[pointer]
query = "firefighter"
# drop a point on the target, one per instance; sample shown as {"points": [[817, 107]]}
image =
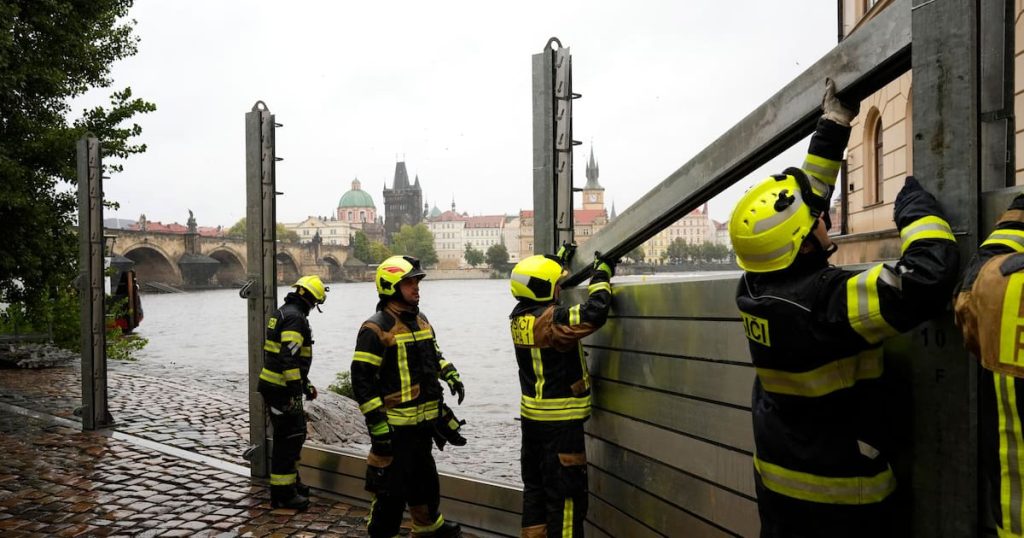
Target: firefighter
{"points": [[287, 356], [395, 376], [988, 312], [555, 387], [815, 333]]}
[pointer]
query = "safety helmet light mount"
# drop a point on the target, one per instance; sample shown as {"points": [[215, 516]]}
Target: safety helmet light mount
{"points": [[312, 285], [394, 270]]}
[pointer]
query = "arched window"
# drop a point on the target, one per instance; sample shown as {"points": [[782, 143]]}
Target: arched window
{"points": [[873, 158], [350, 216], [362, 216], [879, 155]]}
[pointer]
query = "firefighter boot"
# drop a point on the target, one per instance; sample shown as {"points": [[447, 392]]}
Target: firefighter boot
{"points": [[448, 529], [446, 429], [287, 497], [300, 488]]}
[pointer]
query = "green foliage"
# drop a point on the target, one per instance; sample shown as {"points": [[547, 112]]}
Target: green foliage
{"points": [[415, 241], [497, 257], [238, 231], [378, 252], [637, 255], [123, 347], [343, 384], [679, 251], [361, 247], [51, 52], [56, 315], [473, 256]]}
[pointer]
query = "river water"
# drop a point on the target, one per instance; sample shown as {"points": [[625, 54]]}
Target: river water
{"points": [[202, 335]]}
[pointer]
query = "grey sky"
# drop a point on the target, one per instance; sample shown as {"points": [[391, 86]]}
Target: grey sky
{"points": [[447, 86]]}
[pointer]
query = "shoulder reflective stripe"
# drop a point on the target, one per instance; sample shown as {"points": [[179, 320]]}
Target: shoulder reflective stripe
{"points": [[930, 227], [410, 416], [292, 374], [555, 408], [371, 405], [567, 515], [538, 371], [306, 351], [836, 375], [1010, 446], [429, 528], [272, 377], [282, 479], [1011, 330], [574, 315], [822, 169], [1011, 238], [291, 336], [272, 347], [863, 307], [379, 428], [363, 356], [598, 287], [826, 489]]}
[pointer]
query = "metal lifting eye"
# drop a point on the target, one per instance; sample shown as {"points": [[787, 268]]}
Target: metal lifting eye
{"points": [[785, 200]]}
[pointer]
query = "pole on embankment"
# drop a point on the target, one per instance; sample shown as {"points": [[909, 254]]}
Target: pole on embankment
{"points": [[260, 290], [92, 296]]}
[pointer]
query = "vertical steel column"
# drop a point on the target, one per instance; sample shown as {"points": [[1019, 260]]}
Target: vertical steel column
{"points": [[946, 160], [552, 147], [91, 291], [261, 289], [996, 94]]}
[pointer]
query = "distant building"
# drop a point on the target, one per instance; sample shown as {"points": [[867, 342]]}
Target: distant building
{"points": [[449, 231], [510, 236], [402, 202], [155, 226], [722, 234], [356, 208], [695, 229], [586, 223], [332, 231], [593, 192]]}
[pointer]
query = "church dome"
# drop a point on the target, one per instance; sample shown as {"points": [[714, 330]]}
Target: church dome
{"points": [[435, 212], [356, 197]]}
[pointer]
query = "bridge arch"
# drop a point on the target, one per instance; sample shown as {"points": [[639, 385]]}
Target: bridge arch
{"points": [[232, 268], [287, 268], [152, 264], [335, 269]]}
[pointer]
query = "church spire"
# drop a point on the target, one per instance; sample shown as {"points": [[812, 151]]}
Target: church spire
{"points": [[593, 172]]}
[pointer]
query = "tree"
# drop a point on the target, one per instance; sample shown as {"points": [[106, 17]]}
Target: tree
{"points": [[378, 252], [473, 256], [637, 255], [50, 53], [497, 257], [361, 247], [678, 251], [415, 241], [239, 231]]}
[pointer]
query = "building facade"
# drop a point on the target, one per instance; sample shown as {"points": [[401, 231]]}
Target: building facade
{"points": [[449, 231], [331, 230], [403, 203], [695, 228]]}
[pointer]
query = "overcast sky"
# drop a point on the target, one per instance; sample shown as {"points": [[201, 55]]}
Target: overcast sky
{"points": [[446, 87]]}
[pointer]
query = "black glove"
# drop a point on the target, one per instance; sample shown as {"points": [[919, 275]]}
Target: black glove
{"points": [[455, 384], [607, 266], [1017, 203], [566, 252], [912, 194], [380, 439], [310, 391]]}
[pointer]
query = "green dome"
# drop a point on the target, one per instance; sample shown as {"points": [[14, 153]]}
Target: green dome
{"points": [[356, 197]]}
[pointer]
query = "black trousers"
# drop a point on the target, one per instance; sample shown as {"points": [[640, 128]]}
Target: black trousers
{"points": [[554, 474], [786, 517], [289, 425], [411, 480]]}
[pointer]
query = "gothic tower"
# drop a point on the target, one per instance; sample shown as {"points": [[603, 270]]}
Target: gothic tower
{"points": [[593, 192], [402, 202]]}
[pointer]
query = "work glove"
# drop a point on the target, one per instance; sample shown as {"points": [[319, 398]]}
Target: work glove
{"points": [[834, 109], [455, 384], [380, 439], [310, 391], [910, 199], [1017, 203], [566, 252], [607, 266]]}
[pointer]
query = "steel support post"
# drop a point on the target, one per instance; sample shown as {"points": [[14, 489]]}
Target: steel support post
{"points": [[996, 37], [92, 295], [261, 288]]}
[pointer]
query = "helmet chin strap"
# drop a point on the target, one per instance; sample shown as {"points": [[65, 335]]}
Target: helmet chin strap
{"points": [[825, 253]]}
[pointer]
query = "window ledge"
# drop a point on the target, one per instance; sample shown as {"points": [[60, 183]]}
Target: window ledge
{"points": [[873, 205]]}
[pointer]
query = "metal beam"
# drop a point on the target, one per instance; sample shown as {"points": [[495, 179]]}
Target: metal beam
{"points": [[860, 65]]}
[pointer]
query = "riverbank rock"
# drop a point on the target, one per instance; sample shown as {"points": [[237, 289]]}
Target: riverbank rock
{"points": [[36, 356], [335, 420]]}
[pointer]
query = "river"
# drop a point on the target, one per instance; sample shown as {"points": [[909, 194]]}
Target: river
{"points": [[202, 335]]}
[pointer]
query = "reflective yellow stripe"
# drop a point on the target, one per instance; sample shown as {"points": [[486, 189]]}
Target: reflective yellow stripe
{"points": [[429, 528], [401, 340], [598, 287], [583, 365], [574, 315], [567, 519], [1011, 450], [379, 428], [822, 172], [272, 377], [444, 364], [836, 375], [863, 307], [554, 408], [930, 227], [371, 405], [306, 351], [291, 336], [538, 371], [282, 479], [826, 489], [410, 416], [271, 346], [1011, 238], [370, 358], [1011, 326], [292, 374]]}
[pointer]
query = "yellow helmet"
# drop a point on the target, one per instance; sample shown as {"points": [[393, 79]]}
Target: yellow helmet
{"points": [[535, 278], [313, 285], [772, 219], [394, 270]]}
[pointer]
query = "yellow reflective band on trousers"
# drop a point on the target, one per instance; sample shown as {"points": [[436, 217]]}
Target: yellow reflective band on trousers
{"points": [[272, 377], [1011, 450], [371, 405], [429, 528], [538, 372], [567, 519], [369, 358], [863, 306], [291, 336], [1011, 324], [821, 169], [1010, 238], [271, 346], [402, 340], [826, 489], [836, 375], [598, 287], [292, 374], [930, 227], [282, 479], [574, 315], [410, 416], [555, 408]]}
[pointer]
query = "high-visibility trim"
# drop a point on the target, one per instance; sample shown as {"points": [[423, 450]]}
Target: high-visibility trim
{"points": [[833, 376], [379, 428], [282, 479], [1010, 238], [538, 372], [554, 408], [429, 528], [930, 227], [583, 365], [292, 374], [369, 358], [292, 336], [401, 341], [1011, 325], [1011, 466], [306, 351], [863, 307], [273, 377], [370, 405], [574, 315], [567, 511], [821, 169], [826, 489], [271, 346], [593, 288], [444, 364], [410, 416]]}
